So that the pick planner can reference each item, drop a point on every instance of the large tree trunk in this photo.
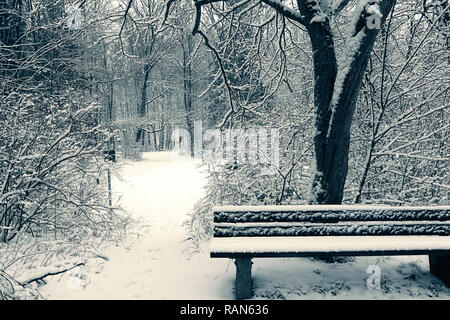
(335, 95)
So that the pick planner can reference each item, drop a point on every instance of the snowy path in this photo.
(162, 189)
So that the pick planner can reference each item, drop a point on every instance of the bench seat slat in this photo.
(317, 246)
(330, 214)
(321, 207)
(342, 223)
(374, 228)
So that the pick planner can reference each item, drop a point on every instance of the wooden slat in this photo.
(320, 254)
(323, 246)
(356, 229)
(330, 214)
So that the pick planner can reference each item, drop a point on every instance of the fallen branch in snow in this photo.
(50, 273)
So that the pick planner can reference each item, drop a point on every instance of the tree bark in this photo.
(188, 94)
(143, 105)
(335, 98)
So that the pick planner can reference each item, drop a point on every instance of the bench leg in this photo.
(243, 285)
(440, 267)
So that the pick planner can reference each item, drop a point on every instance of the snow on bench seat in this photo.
(332, 245)
(328, 213)
(323, 207)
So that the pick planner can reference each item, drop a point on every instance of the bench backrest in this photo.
(330, 220)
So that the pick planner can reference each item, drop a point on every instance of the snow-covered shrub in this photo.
(53, 188)
(234, 182)
(231, 184)
(50, 156)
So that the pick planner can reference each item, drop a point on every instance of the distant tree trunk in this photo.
(143, 104)
(155, 140)
(111, 142)
(12, 29)
(140, 136)
(168, 133)
(111, 101)
(161, 135)
(188, 88)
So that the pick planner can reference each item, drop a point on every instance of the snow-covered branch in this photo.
(285, 10)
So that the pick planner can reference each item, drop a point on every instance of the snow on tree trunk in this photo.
(335, 104)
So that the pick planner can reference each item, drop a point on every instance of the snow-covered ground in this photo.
(160, 191)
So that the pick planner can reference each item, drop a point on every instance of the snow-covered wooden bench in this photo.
(246, 232)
